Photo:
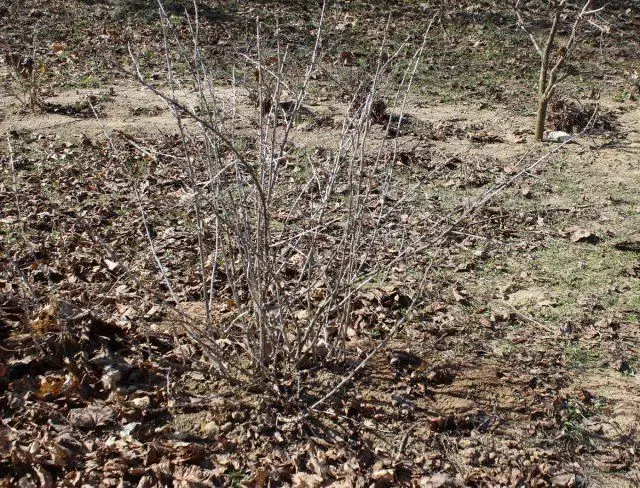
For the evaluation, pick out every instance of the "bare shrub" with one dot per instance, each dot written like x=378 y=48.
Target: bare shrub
x=293 y=249
x=289 y=241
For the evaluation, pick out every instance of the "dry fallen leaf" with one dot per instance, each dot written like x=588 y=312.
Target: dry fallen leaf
x=435 y=307
x=111 y=265
x=57 y=47
x=458 y=295
x=307 y=480
x=91 y=417
x=438 y=480
x=193 y=477
x=579 y=234
x=383 y=475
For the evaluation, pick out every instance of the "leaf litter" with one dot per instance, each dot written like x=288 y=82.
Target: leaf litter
x=101 y=386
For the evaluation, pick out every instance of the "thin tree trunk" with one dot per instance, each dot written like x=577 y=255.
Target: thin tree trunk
x=541 y=116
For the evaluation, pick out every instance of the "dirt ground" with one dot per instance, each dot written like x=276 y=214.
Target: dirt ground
x=519 y=366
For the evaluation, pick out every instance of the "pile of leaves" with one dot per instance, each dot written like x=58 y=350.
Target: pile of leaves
x=574 y=117
x=100 y=384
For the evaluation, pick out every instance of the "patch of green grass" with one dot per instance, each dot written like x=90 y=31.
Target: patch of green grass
x=578 y=410
x=570 y=272
x=276 y=225
x=89 y=81
x=574 y=415
x=376 y=333
x=236 y=477
x=505 y=350
x=573 y=270
x=567 y=189
x=10 y=235
x=622 y=96
x=580 y=358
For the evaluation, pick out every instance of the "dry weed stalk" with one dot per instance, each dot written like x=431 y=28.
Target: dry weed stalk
x=26 y=72
x=550 y=68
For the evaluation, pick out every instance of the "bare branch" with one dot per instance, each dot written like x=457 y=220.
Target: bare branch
x=566 y=49
x=523 y=27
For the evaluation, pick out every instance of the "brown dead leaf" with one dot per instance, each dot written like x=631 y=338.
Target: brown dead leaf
x=46 y=481
x=111 y=265
x=53 y=386
x=485 y=137
x=383 y=475
x=91 y=417
x=579 y=234
x=193 y=477
x=438 y=480
x=435 y=307
x=307 y=480
x=57 y=47
x=47 y=319
x=611 y=462
x=459 y=295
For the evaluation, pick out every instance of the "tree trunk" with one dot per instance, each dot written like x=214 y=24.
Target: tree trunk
x=541 y=117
